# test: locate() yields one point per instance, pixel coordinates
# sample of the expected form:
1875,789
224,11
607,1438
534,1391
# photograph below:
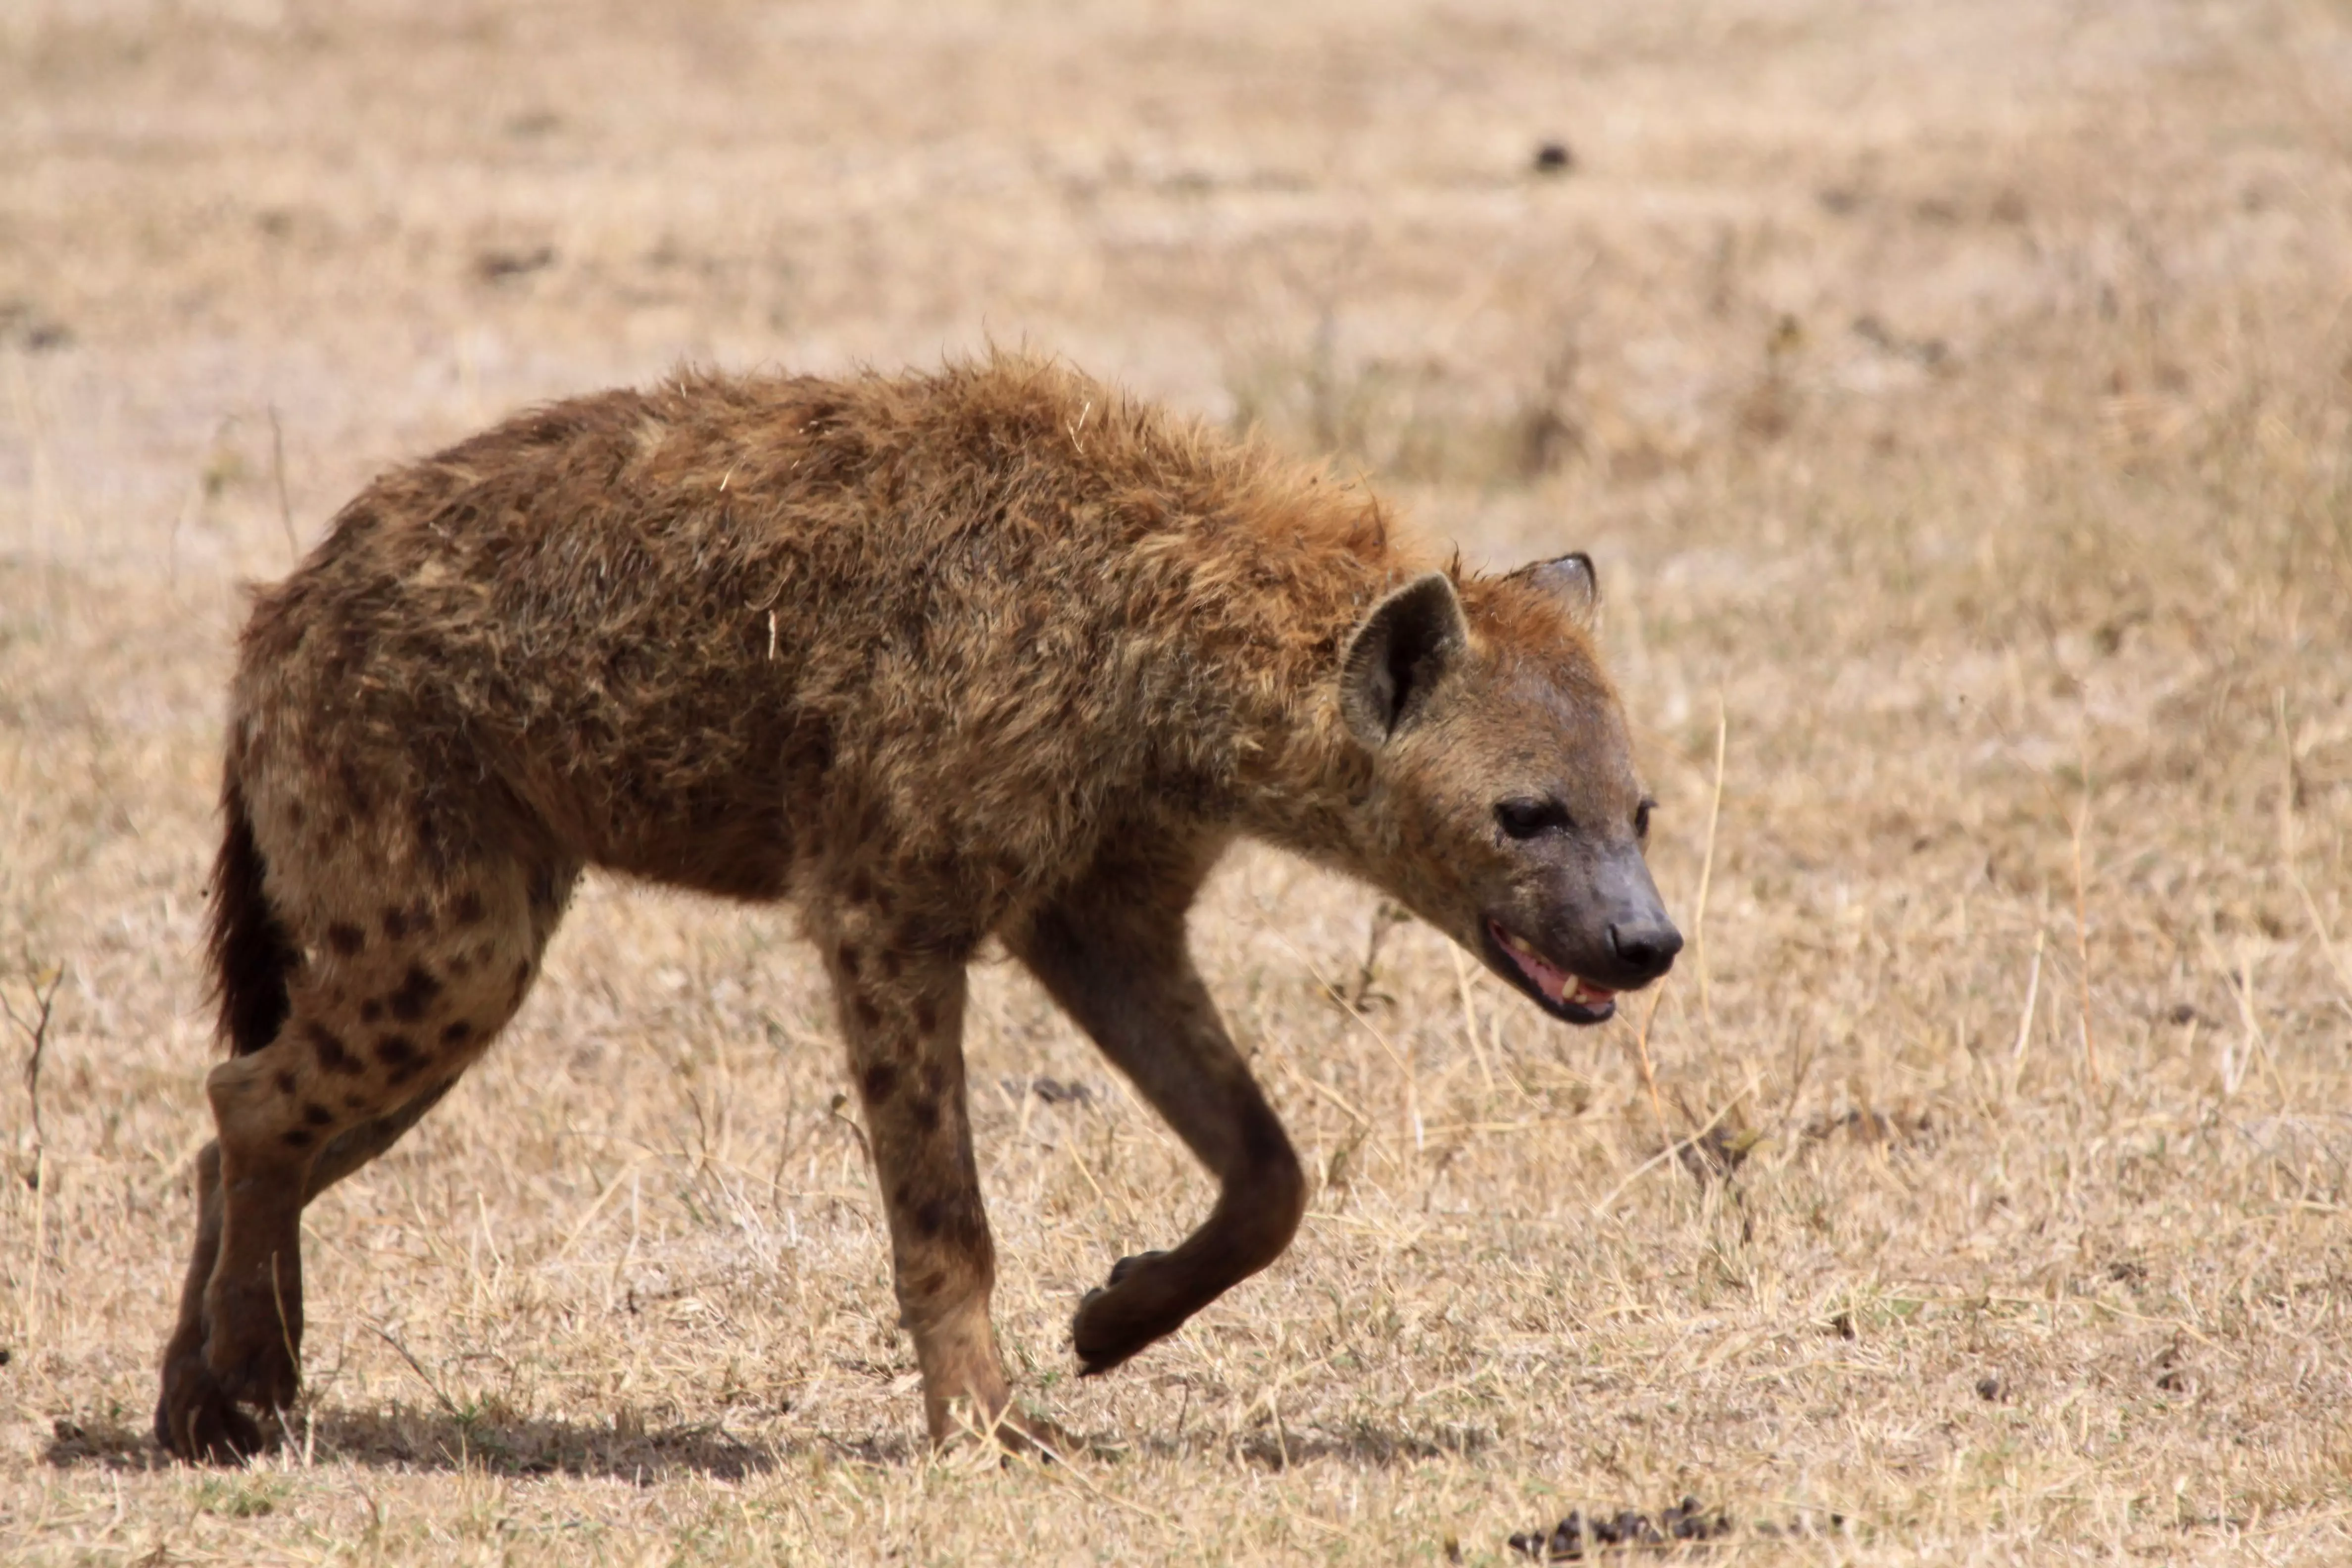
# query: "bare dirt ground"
1959,399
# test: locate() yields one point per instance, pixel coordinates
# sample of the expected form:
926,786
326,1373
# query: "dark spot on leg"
333,1054
457,1034
869,1015
358,1102
935,1080
299,1138
879,1082
346,939
395,1051
845,955
285,1081
370,1011
927,1013
460,967
892,965
317,1115
956,1220
521,981
417,989
861,889
468,910
925,1111
395,922
882,903
297,814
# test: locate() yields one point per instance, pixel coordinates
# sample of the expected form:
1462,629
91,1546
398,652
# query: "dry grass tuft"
1960,402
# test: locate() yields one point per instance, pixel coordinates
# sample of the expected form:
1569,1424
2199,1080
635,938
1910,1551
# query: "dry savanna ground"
1959,399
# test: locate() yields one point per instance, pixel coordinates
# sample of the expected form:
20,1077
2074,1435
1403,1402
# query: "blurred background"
1487,247
1959,401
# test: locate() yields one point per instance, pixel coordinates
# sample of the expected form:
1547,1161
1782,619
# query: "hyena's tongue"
1553,982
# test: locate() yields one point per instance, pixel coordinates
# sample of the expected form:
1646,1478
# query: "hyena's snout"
1644,946
1591,930
1638,942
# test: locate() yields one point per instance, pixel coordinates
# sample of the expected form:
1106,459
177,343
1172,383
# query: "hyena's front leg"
902,1011
1112,952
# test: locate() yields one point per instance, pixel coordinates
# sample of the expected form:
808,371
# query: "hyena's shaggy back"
704,633
993,652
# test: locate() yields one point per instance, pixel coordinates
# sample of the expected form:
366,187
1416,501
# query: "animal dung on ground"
1575,1535
497,265
1554,158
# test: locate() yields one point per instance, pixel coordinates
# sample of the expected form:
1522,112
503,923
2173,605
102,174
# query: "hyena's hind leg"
210,1428
1111,951
392,989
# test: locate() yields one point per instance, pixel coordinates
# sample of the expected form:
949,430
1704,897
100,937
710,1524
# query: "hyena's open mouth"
1560,994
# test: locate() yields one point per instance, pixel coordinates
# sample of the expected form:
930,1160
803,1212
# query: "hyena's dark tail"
250,952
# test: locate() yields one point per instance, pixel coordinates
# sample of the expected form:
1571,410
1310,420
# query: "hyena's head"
1503,808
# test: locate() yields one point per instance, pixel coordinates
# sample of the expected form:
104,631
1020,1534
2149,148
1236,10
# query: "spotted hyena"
995,652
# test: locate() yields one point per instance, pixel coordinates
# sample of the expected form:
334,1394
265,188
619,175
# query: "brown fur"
994,651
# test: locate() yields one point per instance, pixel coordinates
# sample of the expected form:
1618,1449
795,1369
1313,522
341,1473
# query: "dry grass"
1960,401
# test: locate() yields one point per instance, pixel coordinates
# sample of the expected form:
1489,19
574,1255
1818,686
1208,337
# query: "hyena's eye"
1530,818
1641,820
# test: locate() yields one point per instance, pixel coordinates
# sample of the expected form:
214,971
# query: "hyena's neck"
1301,780
1299,776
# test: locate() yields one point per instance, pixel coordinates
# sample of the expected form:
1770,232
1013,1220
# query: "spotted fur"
996,651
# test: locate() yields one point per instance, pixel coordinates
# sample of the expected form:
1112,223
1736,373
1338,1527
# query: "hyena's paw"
1127,1266
252,1350
1030,1435
197,1421
1117,1320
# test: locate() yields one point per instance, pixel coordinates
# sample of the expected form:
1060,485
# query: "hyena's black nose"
1645,947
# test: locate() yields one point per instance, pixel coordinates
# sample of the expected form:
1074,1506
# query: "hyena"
995,652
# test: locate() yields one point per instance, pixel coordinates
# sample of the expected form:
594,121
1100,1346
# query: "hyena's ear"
1403,646
1570,580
